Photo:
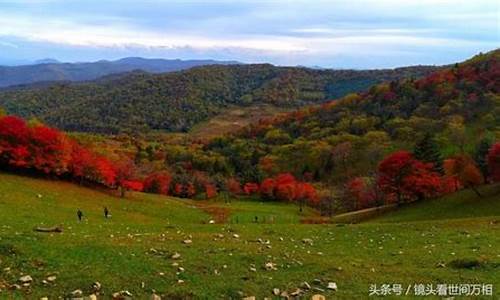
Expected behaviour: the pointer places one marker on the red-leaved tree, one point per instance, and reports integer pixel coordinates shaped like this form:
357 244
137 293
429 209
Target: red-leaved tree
251 188
285 187
14 136
158 183
465 172
359 192
405 178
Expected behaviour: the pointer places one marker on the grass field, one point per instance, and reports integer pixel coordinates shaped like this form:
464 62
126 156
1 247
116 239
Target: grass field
234 119
421 243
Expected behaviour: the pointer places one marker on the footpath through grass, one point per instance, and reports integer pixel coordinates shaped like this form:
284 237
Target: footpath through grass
133 250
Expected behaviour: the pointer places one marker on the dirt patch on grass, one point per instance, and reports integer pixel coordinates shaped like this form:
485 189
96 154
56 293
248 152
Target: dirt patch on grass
219 214
466 263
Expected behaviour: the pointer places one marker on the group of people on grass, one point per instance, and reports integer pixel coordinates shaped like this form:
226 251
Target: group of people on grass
79 213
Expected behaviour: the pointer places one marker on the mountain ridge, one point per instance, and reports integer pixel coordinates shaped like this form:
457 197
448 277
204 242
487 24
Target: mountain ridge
49 69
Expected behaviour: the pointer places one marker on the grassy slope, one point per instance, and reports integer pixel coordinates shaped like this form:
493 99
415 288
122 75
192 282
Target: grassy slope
116 253
234 119
464 204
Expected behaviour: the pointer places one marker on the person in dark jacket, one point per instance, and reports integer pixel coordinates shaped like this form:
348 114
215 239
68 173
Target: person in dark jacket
79 214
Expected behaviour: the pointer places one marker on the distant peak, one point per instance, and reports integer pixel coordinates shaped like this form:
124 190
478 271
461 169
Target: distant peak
47 61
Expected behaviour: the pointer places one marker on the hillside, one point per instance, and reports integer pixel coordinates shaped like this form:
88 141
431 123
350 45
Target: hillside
456 109
50 70
460 205
137 243
177 101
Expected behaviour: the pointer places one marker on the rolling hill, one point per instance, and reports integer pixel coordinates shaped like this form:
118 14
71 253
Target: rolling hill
457 106
177 101
133 249
49 70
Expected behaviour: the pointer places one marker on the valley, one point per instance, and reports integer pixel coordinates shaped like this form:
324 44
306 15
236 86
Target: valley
133 249
153 178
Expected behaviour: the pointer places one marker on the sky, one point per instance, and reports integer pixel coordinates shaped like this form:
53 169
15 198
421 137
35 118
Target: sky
360 34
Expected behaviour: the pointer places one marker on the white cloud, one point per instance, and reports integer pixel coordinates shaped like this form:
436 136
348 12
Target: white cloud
335 41
8 44
294 32
64 32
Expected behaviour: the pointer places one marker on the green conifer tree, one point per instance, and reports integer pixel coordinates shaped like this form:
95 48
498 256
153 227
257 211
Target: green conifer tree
427 150
480 155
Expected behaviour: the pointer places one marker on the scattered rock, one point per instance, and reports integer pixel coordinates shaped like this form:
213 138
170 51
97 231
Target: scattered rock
122 295
296 293
44 298
270 266
96 286
236 236
51 278
176 256
15 287
180 281
92 297
39 196
332 286
276 291
318 297
211 222
249 298
253 269
306 285
317 289
25 279
76 293
307 241
187 242
155 297
316 281
181 269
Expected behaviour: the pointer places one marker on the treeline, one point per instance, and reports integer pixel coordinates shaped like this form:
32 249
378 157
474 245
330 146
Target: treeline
139 102
40 149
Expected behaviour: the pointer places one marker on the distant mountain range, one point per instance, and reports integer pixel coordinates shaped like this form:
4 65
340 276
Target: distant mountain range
52 70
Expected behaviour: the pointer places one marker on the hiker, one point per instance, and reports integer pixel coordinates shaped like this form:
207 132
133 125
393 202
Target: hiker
79 213
106 212
256 220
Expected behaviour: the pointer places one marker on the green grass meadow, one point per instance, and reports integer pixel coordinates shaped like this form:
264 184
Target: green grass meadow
419 243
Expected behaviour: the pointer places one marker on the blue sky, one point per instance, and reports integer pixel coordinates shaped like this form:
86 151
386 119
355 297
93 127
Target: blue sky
339 34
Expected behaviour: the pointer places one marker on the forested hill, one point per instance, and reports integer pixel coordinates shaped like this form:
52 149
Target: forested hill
457 109
50 70
176 101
